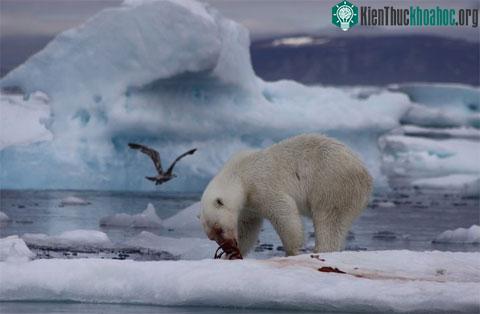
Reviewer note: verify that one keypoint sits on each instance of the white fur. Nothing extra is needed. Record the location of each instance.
(310, 175)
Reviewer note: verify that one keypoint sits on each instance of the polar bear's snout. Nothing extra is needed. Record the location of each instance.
(215, 233)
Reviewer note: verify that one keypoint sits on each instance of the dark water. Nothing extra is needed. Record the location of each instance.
(401, 219)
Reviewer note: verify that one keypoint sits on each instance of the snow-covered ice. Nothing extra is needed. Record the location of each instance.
(460, 235)
(14, 249)
(73, 201)
(375, 281)
(185, 248)
(147, 219)
(70, 239)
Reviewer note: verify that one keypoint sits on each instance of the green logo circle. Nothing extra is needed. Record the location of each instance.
(344, 15)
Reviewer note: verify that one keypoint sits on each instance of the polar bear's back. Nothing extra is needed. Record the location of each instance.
(311, 168)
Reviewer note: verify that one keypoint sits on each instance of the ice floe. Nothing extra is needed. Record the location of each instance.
(14, 249)
(4, 219)
(73, 201)
(77, 239)
(375, 281)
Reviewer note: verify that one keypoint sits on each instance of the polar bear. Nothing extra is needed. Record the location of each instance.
(310, 175)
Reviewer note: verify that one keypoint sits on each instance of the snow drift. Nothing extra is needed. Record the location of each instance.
(177, 75)
(375, 281)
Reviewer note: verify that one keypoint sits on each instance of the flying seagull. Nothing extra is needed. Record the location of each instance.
(161, 177)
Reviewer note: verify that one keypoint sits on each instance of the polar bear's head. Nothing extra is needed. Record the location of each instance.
(222, 202)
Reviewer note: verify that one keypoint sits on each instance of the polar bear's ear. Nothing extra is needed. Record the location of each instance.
(219, 202)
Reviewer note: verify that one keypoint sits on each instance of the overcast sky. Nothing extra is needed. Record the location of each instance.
(263, 18)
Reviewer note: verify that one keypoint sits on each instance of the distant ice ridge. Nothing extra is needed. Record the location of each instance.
(460, 235)
(147, 219)
(125, 76)
(375, 281)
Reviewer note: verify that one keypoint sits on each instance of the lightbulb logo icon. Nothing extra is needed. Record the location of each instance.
(344, 15)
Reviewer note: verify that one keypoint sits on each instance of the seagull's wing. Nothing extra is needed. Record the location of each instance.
(153, 154)
(170, 169)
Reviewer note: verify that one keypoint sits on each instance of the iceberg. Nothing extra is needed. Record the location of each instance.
(460, 235)
(375, 281)
(147, 219)
(125, 76)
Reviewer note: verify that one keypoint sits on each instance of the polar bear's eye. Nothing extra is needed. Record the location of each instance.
(219, 202)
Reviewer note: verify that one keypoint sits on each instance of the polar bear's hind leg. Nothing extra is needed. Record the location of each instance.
(330, 230)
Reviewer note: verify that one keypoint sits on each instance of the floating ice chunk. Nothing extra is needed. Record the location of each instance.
(185, 248)
(147, 219)
(14, 249)
(293, 41)
(74, 201)
(186, 221)
(4, 219)
(460, 235)
(70, 239)
(466, 184)
(374, 281)
(386, 204)
(22, 121)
